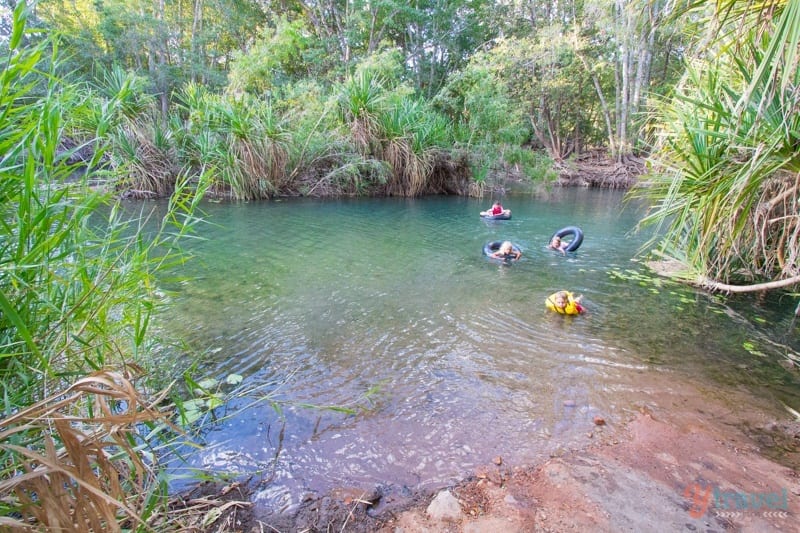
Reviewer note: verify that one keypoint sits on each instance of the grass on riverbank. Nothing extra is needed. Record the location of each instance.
(79, 439)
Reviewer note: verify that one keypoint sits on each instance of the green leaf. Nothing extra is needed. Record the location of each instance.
(214, 401)
(750, 347)
(20, 16)
(192, 410)
(207, 384)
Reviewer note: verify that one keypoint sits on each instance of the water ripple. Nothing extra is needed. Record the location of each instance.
(388, 307)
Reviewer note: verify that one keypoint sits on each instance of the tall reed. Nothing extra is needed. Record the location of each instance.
(77, 293)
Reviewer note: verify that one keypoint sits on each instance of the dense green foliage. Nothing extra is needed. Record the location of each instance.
(556, 78)
(77, 292)
(727, 163)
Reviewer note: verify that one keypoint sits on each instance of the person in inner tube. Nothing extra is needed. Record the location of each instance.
(497, 209)
(557, 244)
(506, 251)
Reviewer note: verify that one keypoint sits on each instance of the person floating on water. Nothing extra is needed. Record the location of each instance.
(497, 209)
(557, 244)
(507, 252)
(564, 303)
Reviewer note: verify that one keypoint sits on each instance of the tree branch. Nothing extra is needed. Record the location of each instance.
(724, 287)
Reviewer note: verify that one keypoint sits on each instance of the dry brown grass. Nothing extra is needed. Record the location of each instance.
(151, 170)
(397, 153)
(365, 132)
(410, 171)
(262, 164)
(776, 227)
(77, 465)
(211, 507)
(477, 189)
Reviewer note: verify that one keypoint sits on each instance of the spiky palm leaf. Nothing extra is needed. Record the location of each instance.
(127, 90)
(143, 152)
(257, 149)
(727, 151)
(361, 100)
(411, 134)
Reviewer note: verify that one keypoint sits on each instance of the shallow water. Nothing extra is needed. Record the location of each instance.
(389, 306)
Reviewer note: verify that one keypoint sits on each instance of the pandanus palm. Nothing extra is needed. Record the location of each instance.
(411, 134)
(361, 100)
(726, 182)
(257, 144)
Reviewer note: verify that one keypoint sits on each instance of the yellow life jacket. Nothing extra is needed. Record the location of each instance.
(572, 307)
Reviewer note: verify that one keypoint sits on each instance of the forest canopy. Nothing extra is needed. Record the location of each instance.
(579, 73)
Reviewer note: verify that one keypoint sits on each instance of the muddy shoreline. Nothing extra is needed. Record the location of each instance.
(682, 457)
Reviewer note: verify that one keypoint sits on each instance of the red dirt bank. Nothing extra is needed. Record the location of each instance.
(657, 481)
(681, 456)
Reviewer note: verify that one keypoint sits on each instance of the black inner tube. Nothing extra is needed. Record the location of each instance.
(490, 247)
(577, 237)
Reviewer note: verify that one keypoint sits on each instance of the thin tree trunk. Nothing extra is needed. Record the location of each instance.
(197, 26)
(375, 34)
(603, 103)
(667, 55)
(416, 52)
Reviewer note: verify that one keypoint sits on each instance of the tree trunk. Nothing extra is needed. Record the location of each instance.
(197, 26)
(624, 67)
(161, 49)
(603, 103)
(724, 287)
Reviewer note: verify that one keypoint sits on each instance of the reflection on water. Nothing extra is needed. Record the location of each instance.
(322, 302)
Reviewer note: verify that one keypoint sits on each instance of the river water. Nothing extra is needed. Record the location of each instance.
(448, 360)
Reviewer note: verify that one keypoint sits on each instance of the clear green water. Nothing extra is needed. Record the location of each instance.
(319, 301)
